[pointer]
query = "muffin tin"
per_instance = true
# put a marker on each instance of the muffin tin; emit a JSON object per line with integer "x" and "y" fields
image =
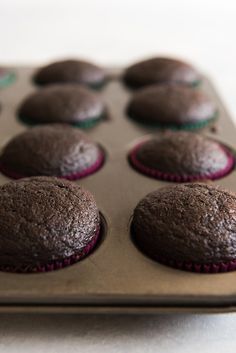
{"x": 116, "y": 277}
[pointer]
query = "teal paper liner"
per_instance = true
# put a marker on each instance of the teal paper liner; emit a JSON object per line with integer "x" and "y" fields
{"x": 83, "y": 125}
{"x": 7, "y": 79}
{"x": 187, "y": 126}
{"x": 96, "y": 86}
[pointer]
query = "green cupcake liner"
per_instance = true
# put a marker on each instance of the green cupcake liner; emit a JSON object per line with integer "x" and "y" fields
{"x": 87, "y": 124}
{"x": 96, "y": 86}
{"x": 7, "y": 79}
{"x": 188, "y": 126}
{"x": 83, "y": 125}
{"x": 196, "y": 84}
{"x": 26, "y": 121}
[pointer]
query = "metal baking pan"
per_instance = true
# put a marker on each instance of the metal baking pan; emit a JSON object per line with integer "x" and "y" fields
{"x": 116, "y": 277}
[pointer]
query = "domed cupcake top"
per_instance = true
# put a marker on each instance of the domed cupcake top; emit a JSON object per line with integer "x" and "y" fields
{"x": 71, "y": 71}
{"x": 171, "y": 106}
{"x": 72, "y": 104}
{"x": 182, "y": 156}
{"x": 44, "y": 220}
{"x": 160, "y": 70}
{"x": 53, "y": 150}
{"x": 190, "y": 226}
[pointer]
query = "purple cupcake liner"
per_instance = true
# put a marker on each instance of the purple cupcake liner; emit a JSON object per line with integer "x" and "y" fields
{"x": 75, "y": 176}
{"x": 200, "y": 268}
{"x": 157, "y": 174}
{"x": 57, "y": 264}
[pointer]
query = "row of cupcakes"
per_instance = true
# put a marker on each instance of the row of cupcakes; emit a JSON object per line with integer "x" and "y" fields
{"x": 165, "y": 98}
{"x": 147, "y": 72}
{"x": 66, "y": 152}
{"x": 169, "y": 106}
{"x": 48, "y": 223}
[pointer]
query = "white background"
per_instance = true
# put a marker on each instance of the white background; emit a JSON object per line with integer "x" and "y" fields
{"x": 118, "y": 33}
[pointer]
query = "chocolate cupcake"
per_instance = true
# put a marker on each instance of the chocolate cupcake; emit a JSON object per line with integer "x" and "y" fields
{"x": 172, "y": 106}
{"x": 161, "y": 70}
{"x": 6, "y": 77}
{"x": 51, "y": 150}
{"x": 72, "y": 104}
{"x": 71, "y": 71}
{"x": 191, "y": 227}
{"x": 182, "y": 156}
{"x": 45, "y": 224}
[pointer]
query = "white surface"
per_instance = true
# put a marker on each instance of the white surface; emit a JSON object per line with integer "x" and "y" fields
{"x": 112, "y": 334}
{"x": 119, "y": 32}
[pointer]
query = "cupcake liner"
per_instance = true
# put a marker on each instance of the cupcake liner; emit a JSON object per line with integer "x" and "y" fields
{"x": 154, "y": 173}
{"x": 98, "y": 85}
{"x": 133, "y": 86}
{"x": 94, "y": 86}
{"x": 74, "y": 176}
{"x": 200, "y": 268}
{"x": 191, "y": 126}
{"x": 207, "y": 268}
{"x": 87, "y": 124}
{"x": 196, "y": 84}
{"x": 82, "y": 124}
{"x": 187, "y": 126}
{"x": 6, "y": 78}
{"x": 57, "y": 264}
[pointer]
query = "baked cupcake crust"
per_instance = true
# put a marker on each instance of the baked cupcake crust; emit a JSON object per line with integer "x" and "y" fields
{"x": 71, "y": 71}
{"x": 67, "y": 103}
{"x": 160, "y": 70}
{"x": 192, "y": 223}
{"x": 171, "y": 105}
{"x": 183, "y": 155}
{"x": 50, "y": 150}
{"x": 44, "y": 219}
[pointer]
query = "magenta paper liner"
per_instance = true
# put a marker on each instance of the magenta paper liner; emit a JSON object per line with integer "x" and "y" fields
{"x": 200, "y": 268}
{"x": 58, "y": 264}
{"x": 75, "y": 176}
{"x": 154, "y": 173}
